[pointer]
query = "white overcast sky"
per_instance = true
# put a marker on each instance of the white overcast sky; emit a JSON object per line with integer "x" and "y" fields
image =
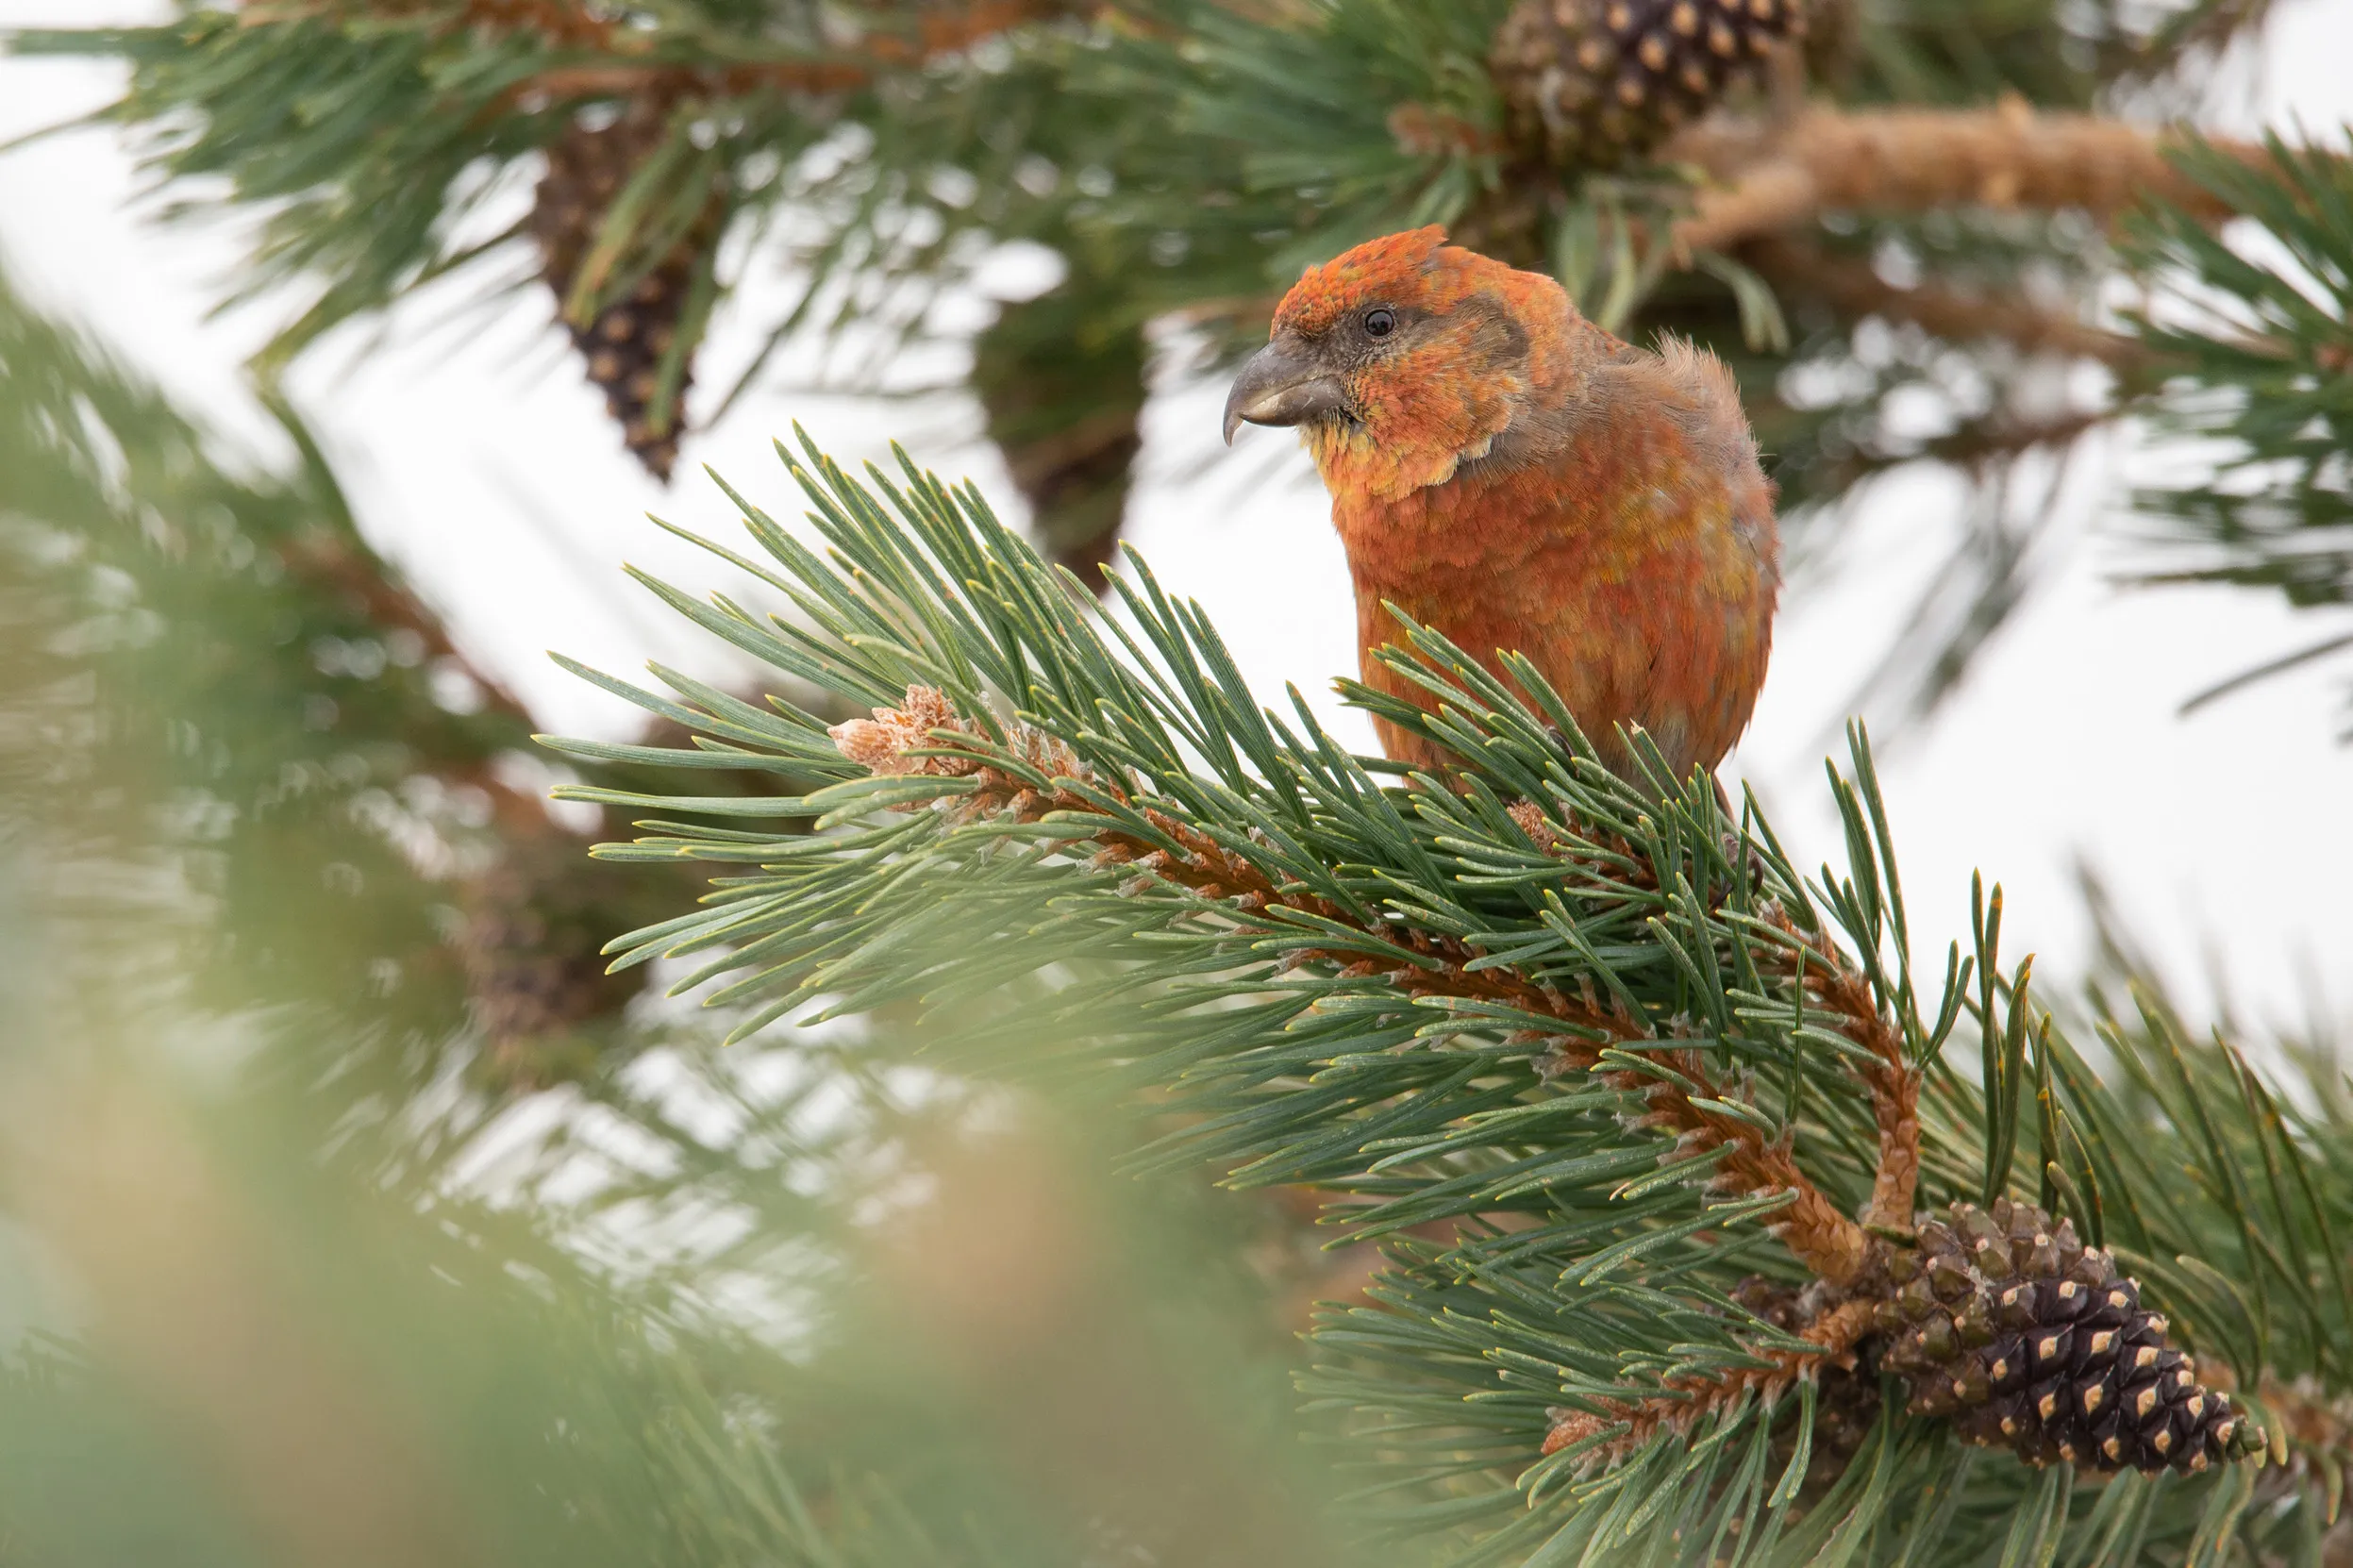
{"x": 479, "y": 459}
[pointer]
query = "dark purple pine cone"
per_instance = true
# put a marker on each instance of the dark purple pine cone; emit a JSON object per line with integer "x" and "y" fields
{"x": 2007, "y": 1324}
{"x": 1597, "y": 83}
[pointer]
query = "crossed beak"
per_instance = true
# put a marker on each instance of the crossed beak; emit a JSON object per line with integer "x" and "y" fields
{"x": 1282, "y": 384}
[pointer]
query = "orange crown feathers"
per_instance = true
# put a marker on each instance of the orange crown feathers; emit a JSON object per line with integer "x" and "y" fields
{"x": 1401, "y": 266}
{"x": 1417, "y": 268}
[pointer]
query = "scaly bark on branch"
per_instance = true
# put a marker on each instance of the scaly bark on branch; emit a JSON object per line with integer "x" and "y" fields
{"x": 1777, "y": 178}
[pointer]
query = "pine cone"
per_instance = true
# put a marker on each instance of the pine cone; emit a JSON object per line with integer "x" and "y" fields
{"x": 2011, "y": 1326}
{"x": 1063, "y": 391}
{"x": 624, "y": 344}
{"x": 1597, "y": 83}
{"x": 535, "y": 923}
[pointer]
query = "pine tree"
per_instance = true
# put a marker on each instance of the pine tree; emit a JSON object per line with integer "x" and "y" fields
{"x": 1700, "y": 1243}
{"x": 1860, "y": 207}
{"x": 1716, "y": 1220}
{"x": 1707, "y": 1234}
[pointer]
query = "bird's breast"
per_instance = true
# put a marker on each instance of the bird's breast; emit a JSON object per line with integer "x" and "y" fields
{"x": 1494, "y": 540}
{"x": 1640, "y": 583}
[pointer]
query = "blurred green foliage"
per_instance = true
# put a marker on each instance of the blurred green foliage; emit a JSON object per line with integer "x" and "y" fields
{"x": 215, "y": 624}
{"x": 213, "y": 674}
{"x": 301, "y": 1293}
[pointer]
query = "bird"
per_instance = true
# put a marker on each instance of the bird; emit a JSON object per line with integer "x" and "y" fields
{"x": 1504, "y": 471}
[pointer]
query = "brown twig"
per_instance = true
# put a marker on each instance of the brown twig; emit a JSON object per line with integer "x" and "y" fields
{"x": 327, "y": 561}
{"x": 634, "y": 65}
{"x": 1996, "y": 440}
{"x": 559, "y": 23}
{"x": 1981, "y": 446}
{"x": 895, "y": 740}
{"x": 1836, "y": 1331}
{"x": 324, "y": 559}
{"x": 1830, "y": 1239}
{"x": 935, "y": 34}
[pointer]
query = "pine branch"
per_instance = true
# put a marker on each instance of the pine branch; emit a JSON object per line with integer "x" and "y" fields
{"x": 924, "y": 737}
{"x": 1776, "y": 178}
{"x": 1607, "y": 1078}
{"x": 223, "y": 636}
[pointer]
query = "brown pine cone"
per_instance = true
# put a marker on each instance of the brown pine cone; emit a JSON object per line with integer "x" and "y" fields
{"x": 1599, "y": 83}
{"x": 535, "y": 923}
{"x": 626, "y": 343}
{"x": 2006, "y": 1324}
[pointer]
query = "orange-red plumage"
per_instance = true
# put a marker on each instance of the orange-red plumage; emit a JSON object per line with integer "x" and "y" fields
{"x": 1506, "y": 472}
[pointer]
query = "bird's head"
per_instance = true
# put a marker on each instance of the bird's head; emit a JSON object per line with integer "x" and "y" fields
{"x": 1406, "y": 358}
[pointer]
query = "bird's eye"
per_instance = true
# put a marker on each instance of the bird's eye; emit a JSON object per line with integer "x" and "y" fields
{"x": 1380, "y": 323}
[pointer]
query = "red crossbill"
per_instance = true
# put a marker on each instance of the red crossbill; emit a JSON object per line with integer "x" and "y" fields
{"x": 1511, "y": 475}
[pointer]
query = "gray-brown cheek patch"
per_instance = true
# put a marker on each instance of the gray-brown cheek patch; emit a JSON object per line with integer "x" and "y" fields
{"x": 1495, "y": 340}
